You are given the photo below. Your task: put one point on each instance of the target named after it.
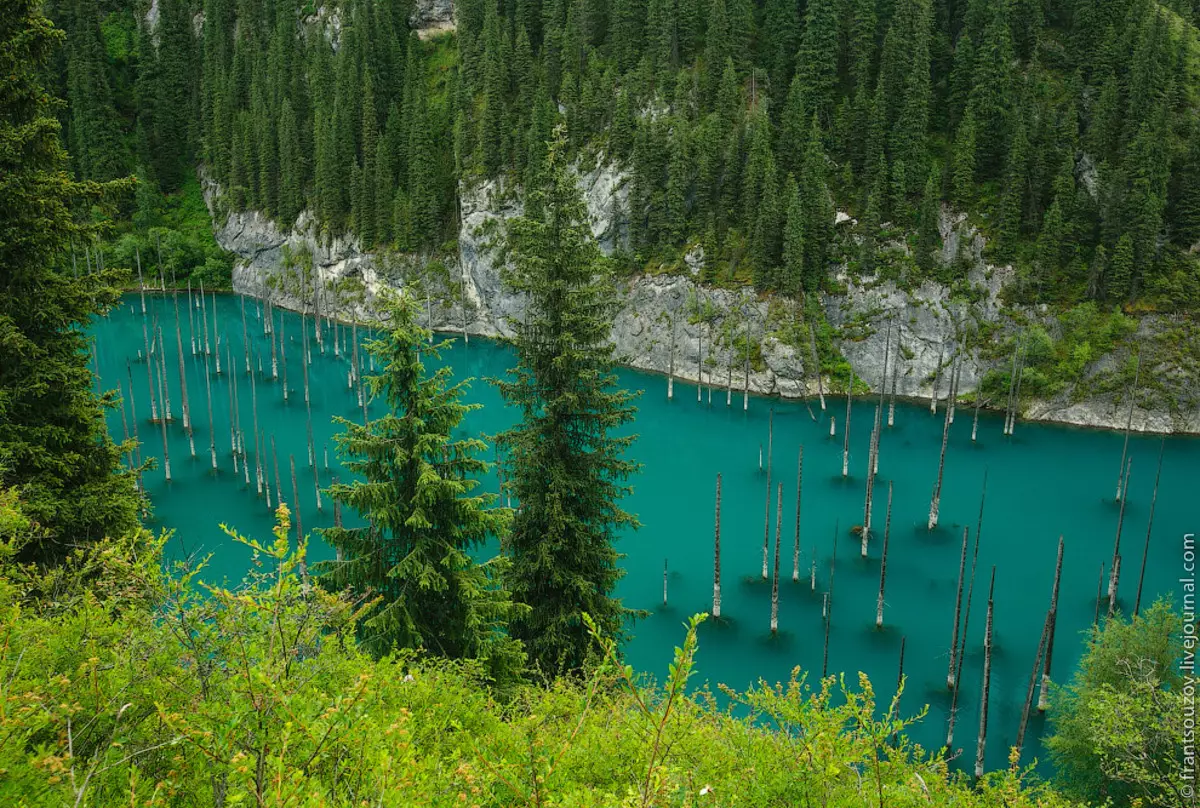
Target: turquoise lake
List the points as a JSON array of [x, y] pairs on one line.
[[1044, 482]]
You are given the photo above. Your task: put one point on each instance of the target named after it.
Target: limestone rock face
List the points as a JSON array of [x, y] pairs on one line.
[[673, 324], [431, 17]]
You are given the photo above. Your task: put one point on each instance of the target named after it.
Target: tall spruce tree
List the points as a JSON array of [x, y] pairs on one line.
[[54, 446], [565, 460], [423, 520]]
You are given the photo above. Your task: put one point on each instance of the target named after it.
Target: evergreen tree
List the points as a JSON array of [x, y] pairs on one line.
[[423, 520], [764, 240], [174, 102], [54, 446], [716, 50], [564, 461], [991, 99], [964, 162], [793, 242], [781, 30], [291, 194], [816, 64], [818, 209], [1120, 269], [94, 132], [929, 237]]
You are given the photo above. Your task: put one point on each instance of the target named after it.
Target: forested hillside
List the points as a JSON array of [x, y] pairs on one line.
[[1070, 131]]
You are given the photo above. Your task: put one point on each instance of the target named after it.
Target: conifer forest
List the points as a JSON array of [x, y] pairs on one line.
[[348, 449]]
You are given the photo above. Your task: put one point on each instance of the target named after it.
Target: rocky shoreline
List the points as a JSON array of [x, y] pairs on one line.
[[670, 323]]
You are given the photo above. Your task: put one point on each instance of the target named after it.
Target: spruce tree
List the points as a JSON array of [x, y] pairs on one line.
[[816, 63], [565, 460], [1120, 269], [423, 521], [928, 235], [793, 242], [54, 446]]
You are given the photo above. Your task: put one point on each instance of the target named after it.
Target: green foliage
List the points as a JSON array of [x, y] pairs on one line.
[[54, 445], [1117, 728], [152, 690], [422, 520], [564, 461]]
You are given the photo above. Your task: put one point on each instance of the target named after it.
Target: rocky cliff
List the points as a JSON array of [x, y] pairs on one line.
[[670, 323]]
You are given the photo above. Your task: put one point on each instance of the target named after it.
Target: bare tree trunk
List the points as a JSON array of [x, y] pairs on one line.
[[829, 602], [833, 426], [1044, 696], [1033, 678], [775, 577], [936, 503], [664, 582], [895, 375], [204, 317], [1099, 597], [846, 431], [699, 363], [962, 650], [962, 572], [245, 336], [258, 470], [953, 400], [1016, 408], [133, 417], [887, 532], [812, 343], [767, 519], [937, 377], [716, 607], [141, 282], [1137, 605], [304, 361], [1114, 579], [671, 364], [212, 430], [164, 388], [283, 354], [1128, 427], [899, 687], [796, 542], [987, 680], [975, 423], [166, 447], [187, 410]]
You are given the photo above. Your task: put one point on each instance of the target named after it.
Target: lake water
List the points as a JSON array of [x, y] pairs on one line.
[[1044, 482]]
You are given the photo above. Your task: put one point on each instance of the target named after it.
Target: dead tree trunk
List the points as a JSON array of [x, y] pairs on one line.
[[887, 533], [936, 503], [1128, 427], [812, 343], [846, 431], [937, 377], [1114, 579], [829, 602], [962, 650], [951, 675], [671, 364], [1044, 696], [1137, 604], [1099, 597], [716, 607], [987, 679], [767, 517], [775, 577], [212, 431], [1033, 679], [796, 542]]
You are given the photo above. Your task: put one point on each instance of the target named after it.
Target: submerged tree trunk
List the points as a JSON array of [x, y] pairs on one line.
[[767, 518], [962, 571], [796, 542], [1044, 695], [987, 679], [1137, 605], [846, 431], [1128, 427], [1033, 678], [671, 364], [1114, 579], [775, 576], [962, 650], [829, 602], [936, 503], [887, 532], [716, 607]]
